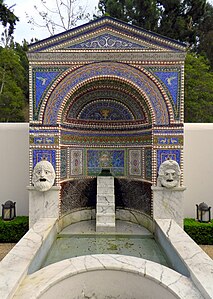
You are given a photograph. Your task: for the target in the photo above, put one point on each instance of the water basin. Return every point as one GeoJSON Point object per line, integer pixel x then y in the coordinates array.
{"type": "Point", "coordinates": [68, 246]}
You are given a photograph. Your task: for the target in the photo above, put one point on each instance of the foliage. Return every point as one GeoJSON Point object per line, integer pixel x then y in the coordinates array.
{"type": "Point", "coordinates": [200, 232]}
{"type": "Point", "coordinates": [60, 16]}
{"type": "Point", "coordinates": [11, 86]}
{"type": "Point", "coordinates": [7, 17]}
{"type": "Point", "coordinates": [176, 19]}
{"type": "Point", "coordinates": [12, 231]}
{"type": "Point", "coordinates": [198, 89]}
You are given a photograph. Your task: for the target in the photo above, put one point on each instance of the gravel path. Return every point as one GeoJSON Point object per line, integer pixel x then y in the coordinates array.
{"type": "Point", "coordinates": [6, 247]}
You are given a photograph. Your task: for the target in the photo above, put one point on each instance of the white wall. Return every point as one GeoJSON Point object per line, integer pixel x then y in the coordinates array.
{"type": "Point", "coordinates": [14, 149]}
{"type": "Point", "coordinates": [198, 165]}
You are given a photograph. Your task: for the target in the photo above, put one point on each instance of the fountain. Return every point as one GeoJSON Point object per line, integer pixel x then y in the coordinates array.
{"type": "Point", "coordinates": [106, 96]}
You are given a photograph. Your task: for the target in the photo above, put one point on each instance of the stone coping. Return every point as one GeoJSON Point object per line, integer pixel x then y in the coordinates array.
{"type": "Point", "coordinates": [198, 263]}
{"type": "Point", "coordinates": [25, 255]}
{"type": "Point", "coordinates": [40, 282]}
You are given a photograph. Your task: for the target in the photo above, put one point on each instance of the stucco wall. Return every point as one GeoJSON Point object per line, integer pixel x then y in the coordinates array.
{"type": "Point", "coordinates": [14, 150]}
{"type": "Point", "coordinates": [198, 165]}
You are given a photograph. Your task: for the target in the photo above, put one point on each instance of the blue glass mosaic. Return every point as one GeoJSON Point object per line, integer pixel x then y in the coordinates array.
{"type": "Point", "coordinates": [49, 155]}
{"type": "Point", "coordinates": [163, 155]}
{"type": "Point", "coordinates": [42, 81]}
{"type": "Point", "coordinates": [103, 158]}
{"type": "Point", "coordinates": [107, 41]}
{"type": "Point", "coordinates": [171, 80]}
{"type": "Point", "coordinates": [103, 69]}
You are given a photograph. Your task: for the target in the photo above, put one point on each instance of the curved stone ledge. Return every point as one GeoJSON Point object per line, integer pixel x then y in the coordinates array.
{"type": "Point", "coordinates": [103, 276]}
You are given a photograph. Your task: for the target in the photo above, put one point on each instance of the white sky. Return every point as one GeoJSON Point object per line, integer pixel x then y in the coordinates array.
{"type": "Point", "coordinates": [22, 7]}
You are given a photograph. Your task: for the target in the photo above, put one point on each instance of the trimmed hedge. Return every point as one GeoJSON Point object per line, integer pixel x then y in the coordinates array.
{"type": "Point", "coordinates": [200, 232]}
{"type": "Point", "coordinates": [12, 231]}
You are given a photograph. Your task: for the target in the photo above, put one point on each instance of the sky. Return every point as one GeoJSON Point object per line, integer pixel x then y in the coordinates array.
{"type": "Point", "coordinates": [24, 30]}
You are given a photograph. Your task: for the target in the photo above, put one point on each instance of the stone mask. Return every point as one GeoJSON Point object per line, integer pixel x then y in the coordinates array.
{"type": "Point", "coordinates": [43, 176]}
{"type": "Point", "coordinates": [169, 174]}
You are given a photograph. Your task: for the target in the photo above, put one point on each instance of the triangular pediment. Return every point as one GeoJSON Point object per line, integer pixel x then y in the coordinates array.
{"type": "Point", "coordinates": [107, 34]}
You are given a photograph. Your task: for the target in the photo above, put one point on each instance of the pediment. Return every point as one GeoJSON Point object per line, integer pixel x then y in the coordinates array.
{"type": "Point", "coordinates": [107, 34]}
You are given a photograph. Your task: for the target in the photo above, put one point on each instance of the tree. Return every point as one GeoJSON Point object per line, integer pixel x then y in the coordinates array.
{"type": "Point", "coordinates": [178, 19]}
{"type": "Point", "coordinates": [60, 16]}
{"type": "Point", "coordinates": [7, 17]}
{"type": "Point", "coordinates": [141, 13]}
{"type": "Point", "coordinates": [11, 82]}
{"type": "Point", "coordinates": [198, 89]}
{"type": "Point", "coordinates": [205, 46]}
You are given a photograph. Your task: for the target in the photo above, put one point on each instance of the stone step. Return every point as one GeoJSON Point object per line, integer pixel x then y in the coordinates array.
{"type": "Point", "coordinates": [105, 190]}
{"type": "Point", "coordinates": [105, 228]}
{"type": "Point", "coordinates": [107, 218]}
{"type": "Point", "coordinates": [105, 209]}
{"type": "Point", "coordinates": [110, 199]}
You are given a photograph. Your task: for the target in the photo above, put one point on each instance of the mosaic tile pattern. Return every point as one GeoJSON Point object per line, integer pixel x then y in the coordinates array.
{"type": "Point", "coordinates": [105, 138]}
{"type": "Point", "coordinates": [76, 162]}
{"type": "Point", "coordinates": [106, 41]}
{"type": "Point", "coordinates": [148, 163]}
{"type": "Point", "coordinates": [63, 163]}
{"type": "Point", "coordinates": [123, 116]}
{"type": "Point", "coordinates": [135, 162]}
{"type": "Point", "coordinates": [49, 155]}
{"type": "Point", "coordinates": [97, 159]}
{"type": "Point", "coordinates": [105, 110]}
{"type": "Point", "coordinates": [124, 72]}
{"type": "Point", "coordinates": [165, 154]}
{"type": "Point", "coordinates": [111, 93]}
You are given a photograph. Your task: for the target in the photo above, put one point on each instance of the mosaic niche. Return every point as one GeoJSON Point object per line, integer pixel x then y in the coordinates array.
{"type": "Point", "coordinates": [133, 194]}
{"type": "Point", "coordinates": [114, 159]}
{"type": "Point", "coordinates": [76, 162]}
{"type": "Point", "coordinates": [135, 162]}
{"type": "Point", "coordinates": [78, 194]}
{"type": "Point", "coordinates": [41, 154]}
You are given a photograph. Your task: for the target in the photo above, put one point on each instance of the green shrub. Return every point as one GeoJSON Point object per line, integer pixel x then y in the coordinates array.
{"type": "Point", "coordinates": [12, 231]}
{"type": "Point", "coordinates": [200, 232]}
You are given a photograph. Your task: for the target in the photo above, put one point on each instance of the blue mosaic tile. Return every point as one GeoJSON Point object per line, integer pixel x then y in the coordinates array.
{"type": "Point", "coordinates": [49, 155]}
{"type": "Point", "coordinates": [171, 81]}
{"type": "Point", "coordinates": [104, 158]}
{"type": "Point", "coordinates": [163, 155]}
{"type": "Point", "coordinates": [42, 81]}
{"type": "Point", "coordinates": [107, 41]}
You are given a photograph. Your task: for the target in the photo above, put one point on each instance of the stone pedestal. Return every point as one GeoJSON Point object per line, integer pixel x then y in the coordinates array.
{"type": "Point", "coordinates": [168, 203]}
{"type": "Point", "coordinates": [43, 204]}
{"type": "Point", "coordinates": [105, 206]}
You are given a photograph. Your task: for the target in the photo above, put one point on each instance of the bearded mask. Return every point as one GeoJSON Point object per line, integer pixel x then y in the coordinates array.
{"type": "Point", "coordinates": [43, 176]}
{"type": "Point", "coordinates": [169, 174]}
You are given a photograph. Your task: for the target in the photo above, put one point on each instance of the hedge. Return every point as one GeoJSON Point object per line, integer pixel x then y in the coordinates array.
{"type": "Point", "coordinates": [12, 231]}
{"type": "Point", "coordinates": [200, 232]}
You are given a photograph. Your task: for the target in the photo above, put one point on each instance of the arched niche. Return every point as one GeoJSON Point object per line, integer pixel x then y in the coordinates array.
{"type": "Point", "coordinates": [67, 84]}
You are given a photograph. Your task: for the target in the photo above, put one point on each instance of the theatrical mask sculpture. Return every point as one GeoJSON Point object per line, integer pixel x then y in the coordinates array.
{"type": "Point", "coordinates": [43, 176]}
{"type": "Point", "coordinates": [169, 174]}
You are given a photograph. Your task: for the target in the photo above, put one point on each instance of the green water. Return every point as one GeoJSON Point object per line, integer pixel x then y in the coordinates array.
{"type": "Point", "coordinates": [77, 245]}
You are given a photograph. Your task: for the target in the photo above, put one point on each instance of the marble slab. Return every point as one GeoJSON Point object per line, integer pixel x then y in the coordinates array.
{"type": "Point", "coordinates": [26, 255]}
{"type": "Point", "coordinates": [43, 204]}
{"type": "Point", "coordinates": [168, 203]}
{"type": "Point", "coordinates": [103, 276]}
{"type": "Point", "coordinates": [198, 263]}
